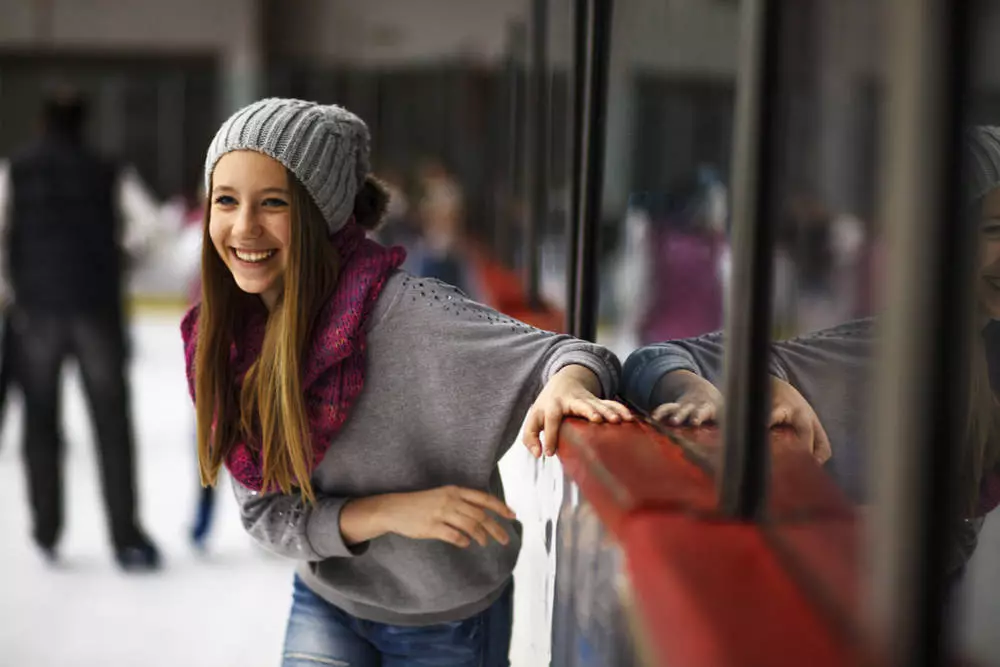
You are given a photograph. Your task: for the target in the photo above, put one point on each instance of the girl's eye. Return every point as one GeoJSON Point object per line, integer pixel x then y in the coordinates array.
{"type": "Point", "coordinates": [991, 226]}
{"type": "Point", "coordinates": [225, 200]}
{"type": "Point", "coordinates": [274, 202]}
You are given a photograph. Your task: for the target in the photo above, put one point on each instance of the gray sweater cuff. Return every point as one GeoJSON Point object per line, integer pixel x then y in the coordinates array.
{"type": "Point", "coordinates": [597, 360]}
{"type": "Point", "coordinates": [323, 530]}
{"type": "Point", "coordinates": [645, 367]}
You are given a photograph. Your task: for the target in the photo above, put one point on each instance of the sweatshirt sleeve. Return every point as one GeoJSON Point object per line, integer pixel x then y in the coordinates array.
{"type": "Point", "coordinates": [833, 370]}
{"type": "Point", "coordinates": [644, 367]}
{"type": "Point", "coordinates": [805, 361]}
{"type": "Point", "coordinates": [703, 356]}
{"type": "Point", "coordinates": [288, 526]}
{"type": "Point", "coordinates": [480, 368]}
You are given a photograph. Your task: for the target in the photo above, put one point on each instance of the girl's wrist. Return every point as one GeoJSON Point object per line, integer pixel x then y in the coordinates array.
{"type": "Point", "coordinates": [364, 519]}
{"type": "Point", "coordinates": [582, 376]}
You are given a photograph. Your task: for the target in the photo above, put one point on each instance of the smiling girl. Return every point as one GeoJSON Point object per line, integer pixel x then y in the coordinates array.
{"type": "Point", "coordinates": [362, 411]}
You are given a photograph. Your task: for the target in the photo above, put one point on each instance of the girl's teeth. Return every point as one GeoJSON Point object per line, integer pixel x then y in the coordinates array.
{"type": "Point", "coordinates": [253, 256]}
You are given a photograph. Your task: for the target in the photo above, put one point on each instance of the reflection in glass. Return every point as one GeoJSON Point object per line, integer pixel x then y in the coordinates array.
{"type": "Point", "coordinates": [978, 483]}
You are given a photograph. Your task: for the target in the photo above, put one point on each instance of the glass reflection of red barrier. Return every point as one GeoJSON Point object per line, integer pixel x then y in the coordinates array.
{"type": "Point", "coordinates": [503, 290]}
{"type": "Point", "coordinates": [705, 590]}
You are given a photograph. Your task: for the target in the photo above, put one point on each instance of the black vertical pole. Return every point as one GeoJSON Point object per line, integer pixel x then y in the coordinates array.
{"type": "Point", "coordinates": [746, 458]}
{"type": "Point", "coordinates": [591, 138]}
{"type": "Point", "coordinates": [511, 209]}
{"type": "Point", "coordinates": [928, 335]}
{"type": "Point", "coordinates": [578, 84]}
{"type": "Point", "coordinates": [538, 150]}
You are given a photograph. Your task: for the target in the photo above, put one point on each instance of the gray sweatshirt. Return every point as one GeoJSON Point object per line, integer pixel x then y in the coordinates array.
{"type": "Point", "coordinates": [447, 387]}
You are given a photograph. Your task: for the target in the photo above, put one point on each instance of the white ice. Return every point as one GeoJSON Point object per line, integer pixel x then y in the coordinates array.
{"type": "Point", "coordinates": [225, 608]}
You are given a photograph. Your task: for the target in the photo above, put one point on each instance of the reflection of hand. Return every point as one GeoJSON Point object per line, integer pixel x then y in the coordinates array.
{"type": "Point", "coordinates": [690, 400]}
{"type": "Point", "coordinates": [790, 408]}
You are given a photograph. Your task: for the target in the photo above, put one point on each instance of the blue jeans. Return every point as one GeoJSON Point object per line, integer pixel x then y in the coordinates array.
{"type": "Point", "coordinates": [321, 634]}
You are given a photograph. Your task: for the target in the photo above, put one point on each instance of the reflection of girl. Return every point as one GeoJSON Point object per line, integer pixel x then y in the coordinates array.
{"type": "Point", "coordinates": [819, 378]}
{"type": "Point", "coordinates": [441, 210]}
{"type": "Point", "coordinates": [361, 411]}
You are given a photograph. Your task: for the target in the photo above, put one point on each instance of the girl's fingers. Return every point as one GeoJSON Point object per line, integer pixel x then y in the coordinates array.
{"type": "Point", "coordinates": [601, 410]}
{"type": "Point", "coordinates": [446, 533]}
{"type": "Point", "coordinates": [623, 412]}
{"type": "Point", "coordinates": [665, 411]}
{"type": "Point", "coordinates": [705, 412]}
{"type": "Point", "coordinates": [682, 413]}
{"type": "Point", "coordinates": [488, 524]}
{"type": "Point", "coordinates": [614, 411]}
{"type": "Point", "coordinates": [486, 501]}
{"type": "Point", "coordinates": [781, 415]}
{"type": "Point", "coordinates": [467, 525]}
{"type": "Point", "coordinates": [821, 443]}
{"type": "Point", "coordinates": [532, 427]}
{"type": "Point", "coordinates": [553, 417]}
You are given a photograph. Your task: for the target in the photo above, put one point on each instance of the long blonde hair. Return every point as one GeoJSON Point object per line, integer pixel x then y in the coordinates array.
{"type": "Point", "coordinates": [982, 428]}
{"type": "Point", "coordinates": [269, 413]}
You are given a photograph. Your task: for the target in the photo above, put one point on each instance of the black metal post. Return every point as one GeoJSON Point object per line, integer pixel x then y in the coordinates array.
{"type": "Point", "coordinates": [927, 333]}
{"type": "Point", "coordinates": [538, 151]}
{"type": "Point", "coordinates": [746, 461]}
{"type": "Point", "coordinates": [578, 86]}
{"type": "Point", "coordinates": [591, 138]}
{"type": "Point", "coordinates": [510, 210]}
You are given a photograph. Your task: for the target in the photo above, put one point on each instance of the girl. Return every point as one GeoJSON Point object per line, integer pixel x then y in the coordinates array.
{"type": "Point", "coordinates": [816, 378]}
{"type": "Point", "coordinates": [361, 411]}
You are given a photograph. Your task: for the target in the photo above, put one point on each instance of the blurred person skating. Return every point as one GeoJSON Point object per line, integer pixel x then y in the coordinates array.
{"type": "Point", "coordinates": [820, 381]}
{"type": "Point", "coordinates": [362, 411]}
{"type": "Point", "coordinates": [401, 226]}
{"type": "Point", "coordinates": [677, 271]}
{"type": "Point", "coordinates": [827, 253]}
{"type": "Point", "coordinates": [441, 212]}
{"type": "Point", "coordinates": [72, 221]}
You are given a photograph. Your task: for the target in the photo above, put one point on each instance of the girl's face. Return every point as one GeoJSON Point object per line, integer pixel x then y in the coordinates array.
{"type": "Point", "coordinates": [250, 221]}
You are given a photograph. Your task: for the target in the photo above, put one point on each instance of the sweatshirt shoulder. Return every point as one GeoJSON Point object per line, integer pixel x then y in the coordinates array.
{"type": "Point", "coordinates": [415, 302]}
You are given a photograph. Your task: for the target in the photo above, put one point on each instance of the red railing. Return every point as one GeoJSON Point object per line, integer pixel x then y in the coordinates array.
{"type": "Point", "coordinates": [710, 591]}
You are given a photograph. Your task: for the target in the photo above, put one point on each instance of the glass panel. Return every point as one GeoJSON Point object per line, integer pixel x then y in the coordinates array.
{"type": "Point", "coordinates": [827, 244]}
{"type": "Point", "coordinates": [826, 261]}
{"type": "Point", "coordinates": [977, 534]}
{"type": "Point", "coordinates": [554, 271]}
{"type": "Point", "coordinates": [665, 239]}
{"type": "Point", "coordinates": [663, 243]}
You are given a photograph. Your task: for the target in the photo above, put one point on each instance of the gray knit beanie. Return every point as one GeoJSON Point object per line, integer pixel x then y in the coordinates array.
{"type": "Point", "coordinates": [982, 147]}
{"type": "Point", "coordinates": [326, 147]}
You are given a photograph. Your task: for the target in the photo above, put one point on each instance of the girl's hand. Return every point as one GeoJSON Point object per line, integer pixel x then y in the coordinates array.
{"type": "Point", "coordinates": [687, 399]}
{"type": "Point", "coordinates": [450, 513]}
{"type": "Point", "coordinates": [790, 408]}
{"type": "Point", "coordinates": [570, 392]}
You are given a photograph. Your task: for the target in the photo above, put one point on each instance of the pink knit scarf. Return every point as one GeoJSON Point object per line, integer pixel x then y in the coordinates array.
{"type": "Point", "coordinates": [333, 372]}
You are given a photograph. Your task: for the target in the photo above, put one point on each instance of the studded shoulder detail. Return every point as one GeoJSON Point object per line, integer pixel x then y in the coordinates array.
{"type": "Point", "coordinates": [453, 302]}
